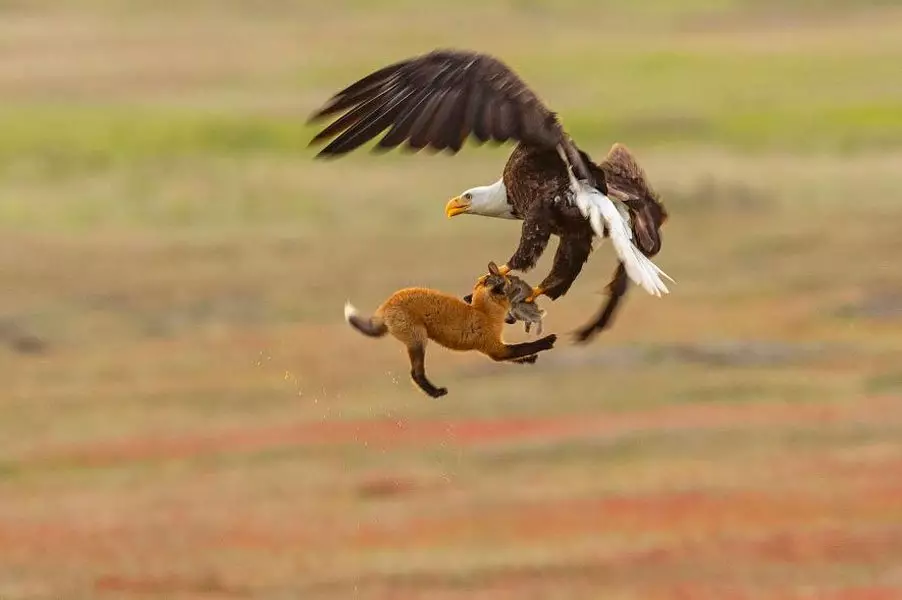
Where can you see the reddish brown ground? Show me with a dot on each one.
(391, 432)
(837, 512)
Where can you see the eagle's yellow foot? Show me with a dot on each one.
(536, 292)
(502, 270)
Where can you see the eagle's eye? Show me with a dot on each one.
(468, 196)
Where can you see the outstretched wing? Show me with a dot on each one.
(437, 100)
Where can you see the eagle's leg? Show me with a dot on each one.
(536, 292)
(534, 237)
(572, 253)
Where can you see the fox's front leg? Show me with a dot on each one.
(417, 354)
(514, 352)
(526, 360)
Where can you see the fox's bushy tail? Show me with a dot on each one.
(371, 327)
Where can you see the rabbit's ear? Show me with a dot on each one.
(493, 269)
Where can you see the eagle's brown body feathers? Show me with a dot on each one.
(538, 188)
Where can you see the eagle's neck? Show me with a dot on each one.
(494, 201)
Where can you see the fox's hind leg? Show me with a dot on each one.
(414, 336)
(417, 354)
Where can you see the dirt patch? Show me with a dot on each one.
(717, 517)
(19, 339)
(641, 574)
(881, 306)
(169, 585)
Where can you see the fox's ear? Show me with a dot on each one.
(493, 268)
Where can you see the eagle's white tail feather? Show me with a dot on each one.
(350, 311)
(596, 207)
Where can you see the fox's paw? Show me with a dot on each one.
(438, 392)
(527, 360)
(547, 342)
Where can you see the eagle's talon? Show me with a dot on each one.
(502, 270)
(536, 292)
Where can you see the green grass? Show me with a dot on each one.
(58, 142)
(209, 153)
(787, 101)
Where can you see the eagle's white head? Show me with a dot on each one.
(485, 200)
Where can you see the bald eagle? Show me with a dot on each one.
(439, 99)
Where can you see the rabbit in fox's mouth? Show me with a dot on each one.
(517, 291)
(528, 312)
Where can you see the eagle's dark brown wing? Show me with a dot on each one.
(624, 173)
(437, 100)
(626, 181)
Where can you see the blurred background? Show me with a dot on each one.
(186, 414)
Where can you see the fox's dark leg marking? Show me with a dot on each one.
(417, 354)
(526, 360)
(512, 352)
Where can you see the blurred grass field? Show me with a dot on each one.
(186, 414)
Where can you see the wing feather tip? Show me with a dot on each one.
(466, 72)
(329, 153)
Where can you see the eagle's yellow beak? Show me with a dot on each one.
(456, 206)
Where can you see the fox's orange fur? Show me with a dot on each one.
(417, 315)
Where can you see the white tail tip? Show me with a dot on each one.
(596, 207)
(350, 311)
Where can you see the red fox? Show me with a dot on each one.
(415, 315)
